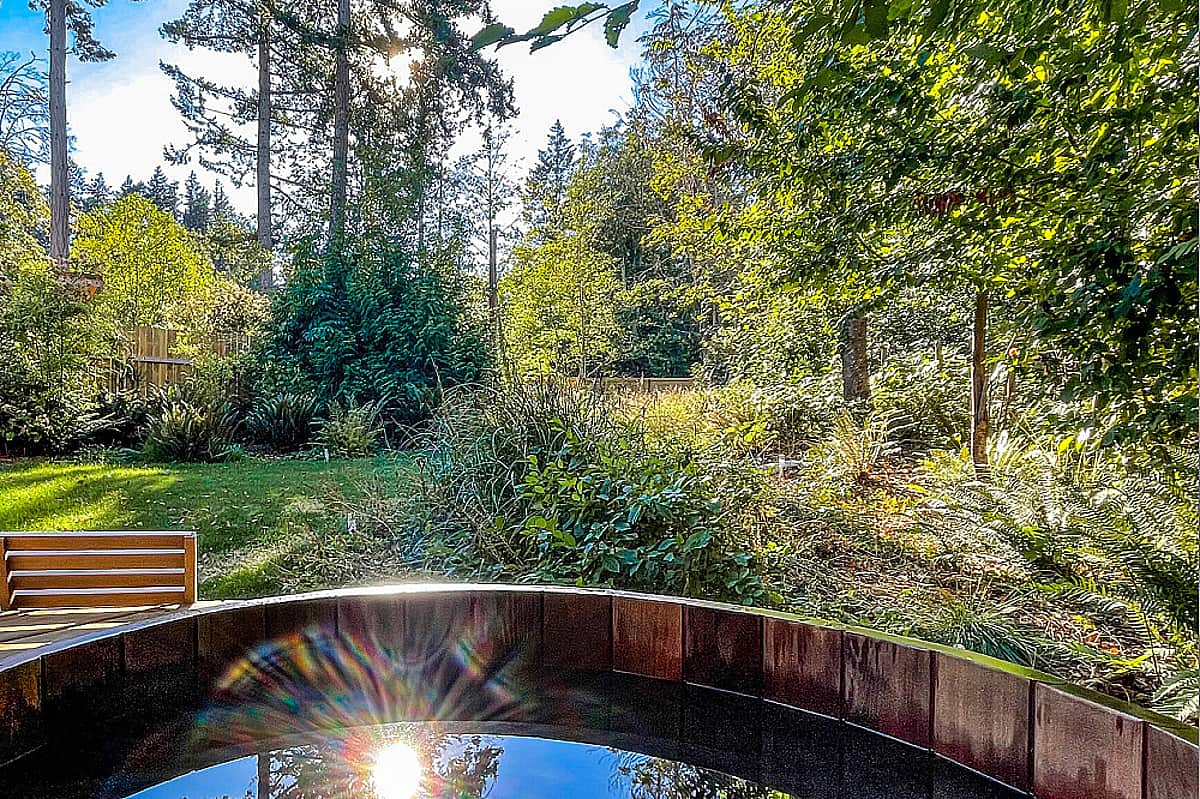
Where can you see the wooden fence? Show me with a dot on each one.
(639, 385)
(156, 356)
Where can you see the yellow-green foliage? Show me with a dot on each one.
(22, 212)
(154, 271)
(559, 304)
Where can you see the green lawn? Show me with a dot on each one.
(247, 515)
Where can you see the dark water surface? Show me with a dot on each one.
(330, 718)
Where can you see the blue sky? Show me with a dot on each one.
(530, 768)
(120, 114)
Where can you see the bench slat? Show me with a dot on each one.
(132, 541)
(95, 578)
(67, 559)
(120, 598)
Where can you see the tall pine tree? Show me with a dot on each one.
(545, 191)
(163, 192)
(97, 193)
(197, 205)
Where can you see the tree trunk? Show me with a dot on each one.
(60, 204)
(583, 343)
(341, 125)
(856, 372)
(266, 236)
(980, 422)
(493, 286)
(264, 775)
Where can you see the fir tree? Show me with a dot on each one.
(197, 205)
(221, 208)
(163, 192)
(546, 187)
(97, 193)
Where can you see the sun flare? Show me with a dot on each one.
(396, 773)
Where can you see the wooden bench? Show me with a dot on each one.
(97, 569)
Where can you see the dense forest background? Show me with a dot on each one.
(931, 267)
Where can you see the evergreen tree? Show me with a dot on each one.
(221, 208)
(97, 193)
(24, 110)
(128, 187)
(288, 47)
(546, 187)
(163, 192)
(197, 202)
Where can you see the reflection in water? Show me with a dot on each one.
(396, 772)
(638, 776)
(403, 761)
(415, 761)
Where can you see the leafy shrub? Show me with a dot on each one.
(979, 624)
(1116, 543)
(859, 449)
(47, 343)
(374, 324)
(124, 416)
(544, 482)
(931, 396)
(232, 379)
(285, 421)
(189, 429)
(351, 431)
(619, 517)
(38, 417)
(780, 417)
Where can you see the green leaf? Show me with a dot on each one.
(545, 41)
(987, 53)
(937, 15)
(617, 21)
(556, 18)
(813, 25)
(875, 14)
(490, 35)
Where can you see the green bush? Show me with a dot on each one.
(48, 341)
(285, 421)
(233, 379)
(932, 397)
(124, 417)
(188, 429)
(374, 324)
(859, 449)
(1116, 542)
(546, 483)
(783, 418)
(351, 431)
(40, 417)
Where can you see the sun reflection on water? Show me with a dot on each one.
(396, 772)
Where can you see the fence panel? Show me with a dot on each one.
(635, 385)
(151, 357)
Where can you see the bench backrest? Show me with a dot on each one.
(97, 569)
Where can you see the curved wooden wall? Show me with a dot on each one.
(1020, 727)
